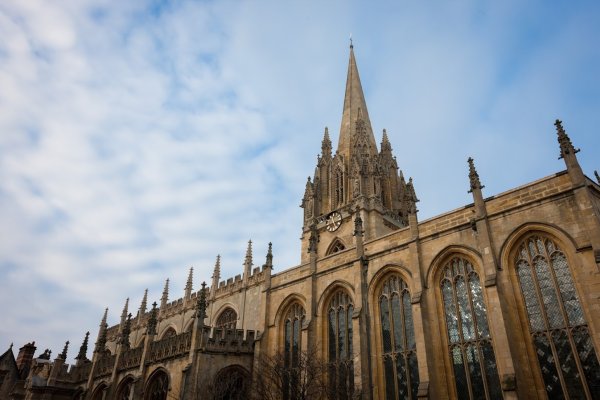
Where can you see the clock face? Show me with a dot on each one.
(334, 220)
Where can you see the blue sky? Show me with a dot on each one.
(138, 139)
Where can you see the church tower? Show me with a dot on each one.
(357, 178)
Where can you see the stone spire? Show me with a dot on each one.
(269, 261)
(63, 355)
(82, 355)
(326, 144)
(101, 342)
(124, 340)
(355, 108)
(216, 277)
(165, 297)
(248, 261)
(201, 304)
(189, 283)
(124, 313)
(386, 146)
(411, 197)
(597, 177)
(566, 147)
(473, 176)
(152, 321)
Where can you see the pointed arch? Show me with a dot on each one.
(168, 331)
(444, 255)
(231, 383)
(335, 246)
(125, 389)
(157, 386)
(540, 260)
(100, 391)
(394, 336)
(226, 319)
(330, 290)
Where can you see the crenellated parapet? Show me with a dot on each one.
(236, 283)
(216, 340)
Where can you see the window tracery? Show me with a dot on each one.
(158, 386)
(469, 340)
(227, 319)
(125, 390)
(557, 326)
(169, 333)
(401, 371)
(340, 351)
(336, 247)
(292, 325)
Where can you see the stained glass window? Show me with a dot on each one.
(227, 319)
(470, 344)
(341, 368)
(158, 387)
(559, 332)
(401, 370)
(292, 329)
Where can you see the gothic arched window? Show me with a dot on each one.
(336, 247)
(400, 365)
(124, 391)
(558, 328)
(231, 383)
(340, 351)
(227, 319)
(169, 333)
(292, 325)
(100, 392)
(470, 344)
(158, 386)
(338, 186)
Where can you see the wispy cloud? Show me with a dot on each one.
(139, 139)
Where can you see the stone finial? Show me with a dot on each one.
(410, 197)
(46, 354)
(566, 147)
(358, 224)
(189, 283)
(165, 297)
(144, 303)
(269, 261)
(63, 355)
(386, 146)
(152, 321)
(101, 343)
(248, 258)
(125, 311)
(124, 340)
(597, 177)
(326, 144)
(82, 355)
(473, 176)
(313, 239)
(201, 304)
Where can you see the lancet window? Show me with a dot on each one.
(340, 351)
(338, 183)
(158, 387)
(470, 343)
(227, 319)
(292, 325)
(557, 326)
(401, 371)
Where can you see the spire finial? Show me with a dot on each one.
(165, 297)
(82, 355)
(63, 355)
(566, 147)
(248, 258)
(269, 262)
(125, 311)
(124, 340)
(144, 302)
(201, 305)
(410, 197)
(189, 283)
(151, 328)
(597, 177)
(473, 176)
(217, 271)
(351, 44)
(101, 343)
(326, 144)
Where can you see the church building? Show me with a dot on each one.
(497, 299)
